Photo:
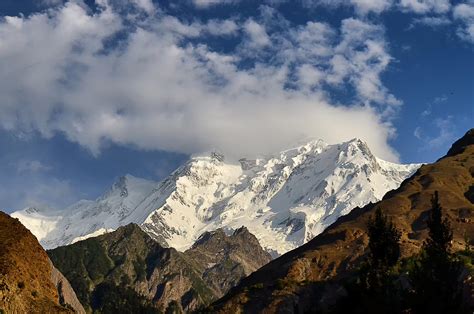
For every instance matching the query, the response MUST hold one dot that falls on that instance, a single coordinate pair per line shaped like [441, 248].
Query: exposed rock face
[130, 258]
[224, 260]
[284, 199]
[66, 294]
[311, 274]
[26, 273]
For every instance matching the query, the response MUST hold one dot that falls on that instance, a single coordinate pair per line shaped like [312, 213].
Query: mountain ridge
[129, 263]
[312, 275]
[285, 199]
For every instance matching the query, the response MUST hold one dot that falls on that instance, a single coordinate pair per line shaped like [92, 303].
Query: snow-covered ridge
[284, 200]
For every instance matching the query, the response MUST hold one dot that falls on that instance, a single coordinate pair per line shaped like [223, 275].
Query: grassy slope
[295, 280]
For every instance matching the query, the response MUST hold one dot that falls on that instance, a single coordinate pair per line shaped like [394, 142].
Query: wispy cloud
[50, 192]
[209, 3]
[445, 134]
[50, 2]
[436, 101]
[431, 21]
[31, 166]
[440, 99]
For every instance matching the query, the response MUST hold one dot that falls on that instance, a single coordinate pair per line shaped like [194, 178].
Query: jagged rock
[284, 200]
[311, 276]
[67, 296]
[164, 277]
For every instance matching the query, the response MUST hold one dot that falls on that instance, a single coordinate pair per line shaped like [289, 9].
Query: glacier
[284, 199]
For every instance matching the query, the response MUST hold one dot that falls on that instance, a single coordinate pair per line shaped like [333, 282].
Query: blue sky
[92, 90]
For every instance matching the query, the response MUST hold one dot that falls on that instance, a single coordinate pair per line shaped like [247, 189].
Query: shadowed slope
[128, 264]
[309, 275]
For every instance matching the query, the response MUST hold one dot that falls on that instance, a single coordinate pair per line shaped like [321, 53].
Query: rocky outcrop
[66, 294]
[311, 275]
[26, 273]
[224, 260]
[163, 278]
[284, 199]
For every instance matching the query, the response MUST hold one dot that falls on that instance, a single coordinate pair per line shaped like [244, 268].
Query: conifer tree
[435, 279]
[375, 290]
[383, 241]
[384, 253]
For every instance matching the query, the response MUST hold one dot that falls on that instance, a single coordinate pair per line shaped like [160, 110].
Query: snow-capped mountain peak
[284, 199]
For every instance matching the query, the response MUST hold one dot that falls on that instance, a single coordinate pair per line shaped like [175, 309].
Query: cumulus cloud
[146, 5]
[72, 71]
[377, 6]
[221, 27]
[425, 6]
[257, 34]
[464, 13]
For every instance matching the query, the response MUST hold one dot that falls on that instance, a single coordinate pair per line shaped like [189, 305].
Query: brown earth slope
[298, 280]
[28, 281]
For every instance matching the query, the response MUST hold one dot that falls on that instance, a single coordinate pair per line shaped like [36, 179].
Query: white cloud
[425, 6]
[364, 49]
[446, 134]
[427, 111]
[155, 90]
[465, 14]
[431, 21]
[146, 5]
[258, 36]
[309, 76]
[417, 133]
[360, 6]
[440, 99]
[208, 3]
[366, 6]
[221, 27]
[51, 2]
[31, 166]
[436, 101]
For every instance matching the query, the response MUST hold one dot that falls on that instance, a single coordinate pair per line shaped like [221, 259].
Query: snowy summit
[284, 200]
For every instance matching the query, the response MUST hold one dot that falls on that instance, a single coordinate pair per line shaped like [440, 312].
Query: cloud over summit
[152, 80]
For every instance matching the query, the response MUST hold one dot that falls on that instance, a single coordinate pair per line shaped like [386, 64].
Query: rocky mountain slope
[127, 264]
[311, 275]
[284, 200]
[28, 281]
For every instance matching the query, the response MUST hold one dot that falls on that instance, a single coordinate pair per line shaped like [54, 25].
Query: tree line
[430, 282]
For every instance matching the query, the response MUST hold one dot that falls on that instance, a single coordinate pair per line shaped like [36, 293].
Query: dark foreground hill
[126, 271]
[311, 277]
[28, 281]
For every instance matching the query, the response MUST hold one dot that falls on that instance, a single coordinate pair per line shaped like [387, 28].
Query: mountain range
[284, 199]
[226, 270]
[312, 277]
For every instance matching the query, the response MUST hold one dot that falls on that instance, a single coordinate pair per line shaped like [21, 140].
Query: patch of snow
[284, 200]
